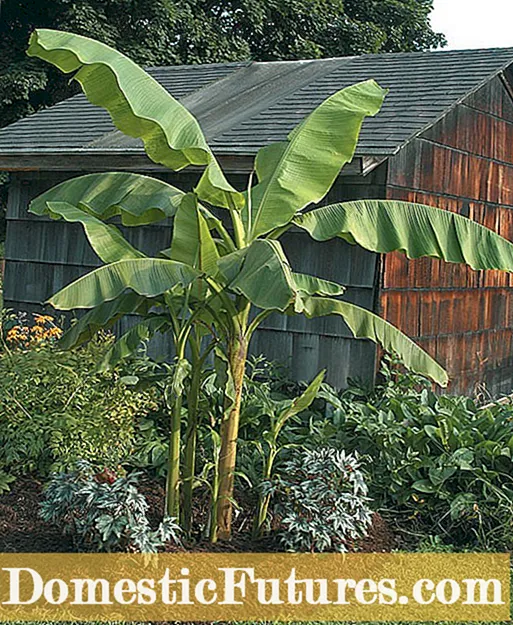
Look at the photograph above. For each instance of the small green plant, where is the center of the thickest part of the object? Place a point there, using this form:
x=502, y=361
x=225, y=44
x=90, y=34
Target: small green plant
x=104, y=512
x=5, y=481
x=150, y=449
x=269, y=443
x=320, y=501
x=435, y=544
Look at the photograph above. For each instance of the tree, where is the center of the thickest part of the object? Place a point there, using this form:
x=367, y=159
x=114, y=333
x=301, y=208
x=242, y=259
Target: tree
x=215, y=283
x=299, y=29
x=142, y=29
x=169, y=32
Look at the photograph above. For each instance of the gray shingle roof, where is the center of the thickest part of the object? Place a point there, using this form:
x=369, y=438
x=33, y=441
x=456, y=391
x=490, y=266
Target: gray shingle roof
x=75, y=123
x=242, y=106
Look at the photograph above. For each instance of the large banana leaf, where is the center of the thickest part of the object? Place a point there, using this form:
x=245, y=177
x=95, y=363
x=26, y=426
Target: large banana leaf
x=367, y=325
x=192, y=242
x=103, y=317
x=139, y=106
x=417, y=230
x=316, y=286
x=261, y=273
x=297, y=172
x=139, y=200
x=105, y=239
x=146, y=276
x=126, y=345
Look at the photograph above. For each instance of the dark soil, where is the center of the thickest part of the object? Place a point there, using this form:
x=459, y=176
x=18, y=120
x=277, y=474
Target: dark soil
x=23, y=531
x=380, y=537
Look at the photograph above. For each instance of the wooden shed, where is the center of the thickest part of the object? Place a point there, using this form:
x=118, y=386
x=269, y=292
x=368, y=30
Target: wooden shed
x=444, y=137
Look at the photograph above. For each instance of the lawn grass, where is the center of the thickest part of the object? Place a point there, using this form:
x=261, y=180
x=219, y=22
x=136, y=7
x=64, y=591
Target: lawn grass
x=263, y=623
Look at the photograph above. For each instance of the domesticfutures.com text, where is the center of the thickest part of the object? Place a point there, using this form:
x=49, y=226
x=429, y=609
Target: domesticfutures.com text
x=235, y=585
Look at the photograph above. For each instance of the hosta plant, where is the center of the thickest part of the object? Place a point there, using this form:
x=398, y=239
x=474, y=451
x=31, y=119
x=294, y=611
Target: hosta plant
x=320, y=501
x=104, y=512
x=214, y=285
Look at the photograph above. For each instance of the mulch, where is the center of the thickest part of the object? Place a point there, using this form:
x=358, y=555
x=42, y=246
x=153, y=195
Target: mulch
x=21, y=528
x=23, y=531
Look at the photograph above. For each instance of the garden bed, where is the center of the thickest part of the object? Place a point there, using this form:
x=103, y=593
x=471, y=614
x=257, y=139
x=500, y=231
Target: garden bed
x=23, y=531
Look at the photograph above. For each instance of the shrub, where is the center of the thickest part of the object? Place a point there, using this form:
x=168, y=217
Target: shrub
x=320, y=501
x=41, y=329
x=55, y=408
x=440, y=460
x=150, y=446
x=103, y=511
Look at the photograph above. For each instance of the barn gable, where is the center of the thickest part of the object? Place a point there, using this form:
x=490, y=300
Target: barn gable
x=464, y=318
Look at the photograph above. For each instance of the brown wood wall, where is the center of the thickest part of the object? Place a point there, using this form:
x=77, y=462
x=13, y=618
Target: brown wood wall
x=462, y=317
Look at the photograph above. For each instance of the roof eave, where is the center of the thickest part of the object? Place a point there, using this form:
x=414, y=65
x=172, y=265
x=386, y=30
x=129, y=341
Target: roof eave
x=78, y=160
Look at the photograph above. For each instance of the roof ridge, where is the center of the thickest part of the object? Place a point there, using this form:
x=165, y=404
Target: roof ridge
x=370, y=55
x=444, y=52
x=151, y=68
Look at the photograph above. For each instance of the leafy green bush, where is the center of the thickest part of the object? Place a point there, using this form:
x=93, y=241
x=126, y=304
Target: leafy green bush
x=55, y=408
x=440, y=460
x=103, y=511
x=320, y=501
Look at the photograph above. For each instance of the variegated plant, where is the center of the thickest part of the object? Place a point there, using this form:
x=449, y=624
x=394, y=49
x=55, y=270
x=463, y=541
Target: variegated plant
x=231, y=279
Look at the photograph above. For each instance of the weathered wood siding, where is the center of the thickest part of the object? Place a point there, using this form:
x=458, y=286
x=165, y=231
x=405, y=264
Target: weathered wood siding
x=464, y=318
x=44, y=255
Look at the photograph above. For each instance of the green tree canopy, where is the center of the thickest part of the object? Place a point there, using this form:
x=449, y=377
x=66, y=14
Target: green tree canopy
x=167, y=32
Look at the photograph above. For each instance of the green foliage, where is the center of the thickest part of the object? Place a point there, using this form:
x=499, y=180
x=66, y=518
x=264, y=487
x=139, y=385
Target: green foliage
x=150, y=450
x=309, y=153
x=365, y=324
x=104, y=512
x=116, y=193
x=320, y=501
x=150, y=446
x=438, y=461
x=168, y=32
x=5, y=480
x=437, y=465
x=55, y=408
x=476, y=246
x=273, y=415
x=142, y=28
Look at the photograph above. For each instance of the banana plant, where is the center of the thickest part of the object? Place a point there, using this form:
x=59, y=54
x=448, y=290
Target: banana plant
x=231, y=279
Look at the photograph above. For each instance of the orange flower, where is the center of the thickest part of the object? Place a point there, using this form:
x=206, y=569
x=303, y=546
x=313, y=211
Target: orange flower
x=42, y=319
x=44, y=329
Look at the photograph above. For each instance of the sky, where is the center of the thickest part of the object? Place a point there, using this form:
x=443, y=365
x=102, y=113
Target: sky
x=474, y=23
